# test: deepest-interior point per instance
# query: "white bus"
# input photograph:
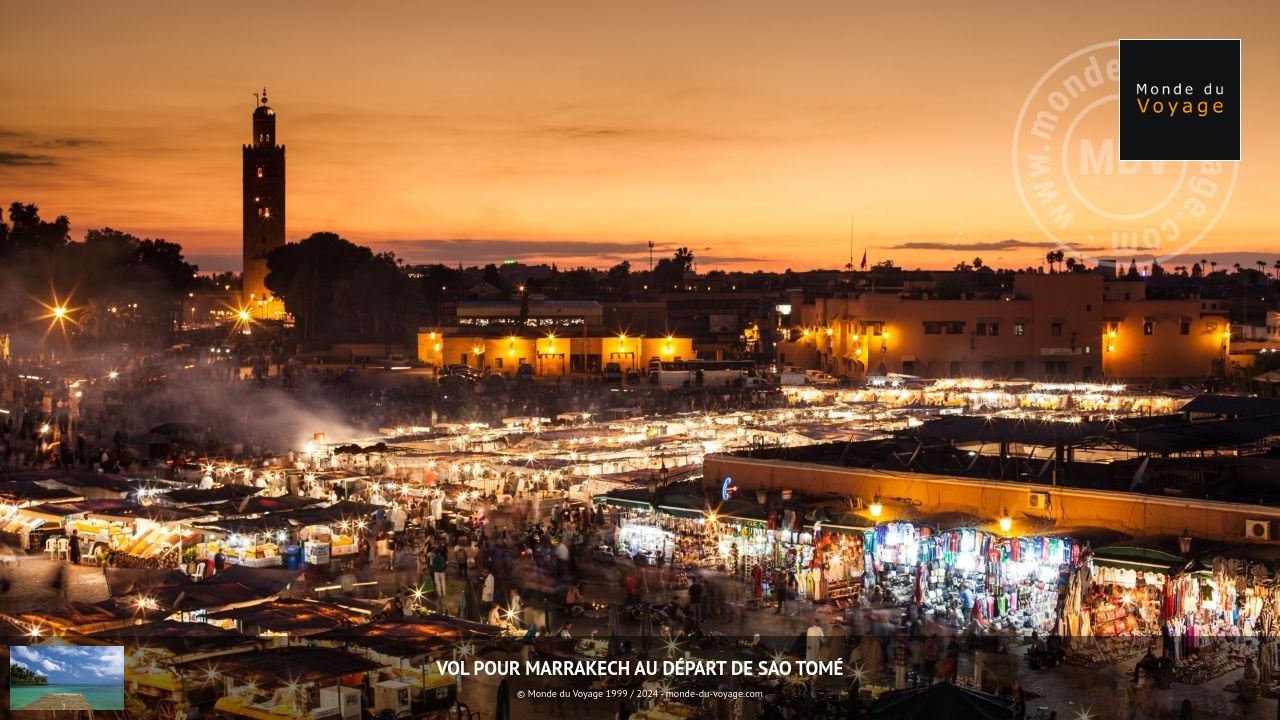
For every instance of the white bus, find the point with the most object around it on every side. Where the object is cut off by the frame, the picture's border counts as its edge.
(705, 373)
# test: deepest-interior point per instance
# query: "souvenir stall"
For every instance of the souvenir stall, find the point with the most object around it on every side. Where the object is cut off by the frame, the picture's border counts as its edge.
(1113, 604)
(1014, 579)
(1208, 608)
(650, 535)
(1122, 599)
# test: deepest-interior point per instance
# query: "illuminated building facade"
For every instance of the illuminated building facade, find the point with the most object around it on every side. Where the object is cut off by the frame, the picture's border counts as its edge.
(1069, 326)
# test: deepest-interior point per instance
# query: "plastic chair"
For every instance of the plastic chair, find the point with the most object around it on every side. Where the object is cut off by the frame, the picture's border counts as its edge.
(64, 548)
(199, 573)
(51, 546)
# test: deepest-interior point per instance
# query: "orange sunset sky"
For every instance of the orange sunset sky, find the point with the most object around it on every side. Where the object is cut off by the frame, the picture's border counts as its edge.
(577, 132)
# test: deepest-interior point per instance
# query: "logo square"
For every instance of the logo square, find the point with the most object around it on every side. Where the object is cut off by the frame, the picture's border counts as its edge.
(1180, 100)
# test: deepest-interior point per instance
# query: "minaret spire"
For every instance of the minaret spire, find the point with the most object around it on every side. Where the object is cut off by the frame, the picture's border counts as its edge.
(264, 94)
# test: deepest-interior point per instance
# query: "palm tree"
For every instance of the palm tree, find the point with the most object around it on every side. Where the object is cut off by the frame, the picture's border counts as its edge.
(1277, 267)
(1262, 266)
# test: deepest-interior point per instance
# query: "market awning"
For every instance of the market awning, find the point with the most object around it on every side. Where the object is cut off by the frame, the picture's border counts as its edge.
(74, 616)
(940, 700)
(1022, 431)
(58, 511)
(176, 637)
(73, 479)
(1240, 406)
(155, 513)
(1203, 435)
(208, 496)
(412, 637)
(1141, 559)
(284, 665)
(628, 498)
(256, 504)
(28, 491)
(295, 617)
(128, 581)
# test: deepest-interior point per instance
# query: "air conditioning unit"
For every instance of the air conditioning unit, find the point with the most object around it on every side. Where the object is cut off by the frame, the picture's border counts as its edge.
(1038, 500)
(1257, 529)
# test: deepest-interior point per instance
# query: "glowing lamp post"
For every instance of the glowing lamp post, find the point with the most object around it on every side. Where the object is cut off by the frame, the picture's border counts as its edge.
(1006, 522)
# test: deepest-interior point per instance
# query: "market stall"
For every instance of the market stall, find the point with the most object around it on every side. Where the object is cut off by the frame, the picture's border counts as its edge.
(968, 574)
(157, 536)
(292, 682)
(406, 650)
(153, 651)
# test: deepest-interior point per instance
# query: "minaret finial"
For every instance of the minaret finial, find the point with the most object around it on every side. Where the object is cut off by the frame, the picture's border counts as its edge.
(264, 94)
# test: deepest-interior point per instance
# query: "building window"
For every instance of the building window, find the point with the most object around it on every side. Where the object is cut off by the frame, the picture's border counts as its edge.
(943, 327)
(1019, 368)
(987, 329)
(1019, 329)
(1056, 329)
(988, 368)
(1184, 327)
(1148, 328)
(497, 362)
(259, 171)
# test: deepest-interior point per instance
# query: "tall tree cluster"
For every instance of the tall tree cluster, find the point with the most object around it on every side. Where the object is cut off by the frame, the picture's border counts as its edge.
(336, 289)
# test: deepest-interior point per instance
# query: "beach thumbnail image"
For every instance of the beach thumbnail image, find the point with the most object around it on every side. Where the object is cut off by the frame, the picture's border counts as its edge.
(66, 677)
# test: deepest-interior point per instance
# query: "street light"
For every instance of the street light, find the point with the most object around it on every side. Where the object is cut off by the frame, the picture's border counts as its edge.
(1006, 522)
(876, 507)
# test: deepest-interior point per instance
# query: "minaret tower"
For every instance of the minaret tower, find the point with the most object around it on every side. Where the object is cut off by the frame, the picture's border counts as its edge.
(263, 210)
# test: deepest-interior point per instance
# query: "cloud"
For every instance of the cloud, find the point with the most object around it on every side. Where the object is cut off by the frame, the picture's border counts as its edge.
(15, 159)
(67, 142)
(52, 666)
(978, 246)
(593, 253)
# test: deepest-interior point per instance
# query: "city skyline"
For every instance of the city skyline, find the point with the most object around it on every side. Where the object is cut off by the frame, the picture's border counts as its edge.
(574, 133)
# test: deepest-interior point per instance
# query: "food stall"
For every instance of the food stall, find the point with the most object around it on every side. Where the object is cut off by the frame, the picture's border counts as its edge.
(325, 543)
(158, 534)
(24, 531)
(152, 652)
(286, 683)
(97, 533)
(407, 649)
